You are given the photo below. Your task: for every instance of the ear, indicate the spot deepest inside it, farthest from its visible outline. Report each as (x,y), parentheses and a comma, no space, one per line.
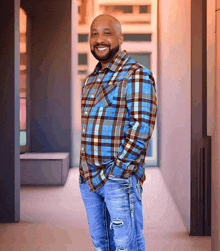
(121,38)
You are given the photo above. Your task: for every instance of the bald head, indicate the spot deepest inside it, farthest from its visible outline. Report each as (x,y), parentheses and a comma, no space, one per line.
(105,38)
(109,20)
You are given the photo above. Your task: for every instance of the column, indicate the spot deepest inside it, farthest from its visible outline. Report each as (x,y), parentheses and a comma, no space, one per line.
(9,112)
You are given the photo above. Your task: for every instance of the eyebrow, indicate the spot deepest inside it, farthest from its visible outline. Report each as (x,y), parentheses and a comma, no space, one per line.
(103,29)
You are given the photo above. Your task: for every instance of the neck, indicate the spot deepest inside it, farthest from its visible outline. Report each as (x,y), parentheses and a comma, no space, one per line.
(104,64)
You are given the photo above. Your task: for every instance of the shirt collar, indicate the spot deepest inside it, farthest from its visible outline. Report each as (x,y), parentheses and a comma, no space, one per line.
(115,64)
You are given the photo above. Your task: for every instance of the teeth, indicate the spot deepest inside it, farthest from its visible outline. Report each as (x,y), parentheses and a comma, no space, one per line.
(102,49)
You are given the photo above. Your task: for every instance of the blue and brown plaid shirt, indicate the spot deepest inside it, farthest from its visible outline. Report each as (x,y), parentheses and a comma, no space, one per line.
(119,107)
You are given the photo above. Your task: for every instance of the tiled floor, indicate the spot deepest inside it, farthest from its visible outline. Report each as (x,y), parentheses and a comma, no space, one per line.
(54,218)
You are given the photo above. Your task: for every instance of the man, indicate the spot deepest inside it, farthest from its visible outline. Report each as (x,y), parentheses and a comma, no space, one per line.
(119,107)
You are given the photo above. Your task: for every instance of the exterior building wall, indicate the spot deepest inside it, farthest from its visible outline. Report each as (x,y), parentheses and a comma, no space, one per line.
(215,141)
(50,78)
(174,74)
(75,90)
(9,112)
(210,66)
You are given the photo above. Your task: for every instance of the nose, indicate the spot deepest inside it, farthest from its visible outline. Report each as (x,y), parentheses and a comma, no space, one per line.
(100,39)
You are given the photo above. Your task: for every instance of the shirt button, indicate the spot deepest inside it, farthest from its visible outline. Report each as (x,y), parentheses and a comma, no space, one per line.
(82,149)
(84,130)
(86,113)
(92,96)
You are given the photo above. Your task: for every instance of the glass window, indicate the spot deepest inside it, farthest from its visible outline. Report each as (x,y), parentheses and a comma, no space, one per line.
(149,149)
(142,58)
(119,9)
(144,9)
(124,8)
(82,73)
(137,37)
(82,38)
(82,59)
(151,158)
(23,138)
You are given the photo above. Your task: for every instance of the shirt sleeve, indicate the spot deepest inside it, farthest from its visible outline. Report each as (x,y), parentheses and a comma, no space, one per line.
(141,102)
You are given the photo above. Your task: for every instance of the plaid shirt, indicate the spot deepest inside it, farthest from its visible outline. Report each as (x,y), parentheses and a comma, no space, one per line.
(119,107)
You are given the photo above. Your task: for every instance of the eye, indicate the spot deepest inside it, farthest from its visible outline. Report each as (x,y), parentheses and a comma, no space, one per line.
(94,34)
(107,33)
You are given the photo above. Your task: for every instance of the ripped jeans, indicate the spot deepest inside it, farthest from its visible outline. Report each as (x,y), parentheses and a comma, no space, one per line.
(115,214)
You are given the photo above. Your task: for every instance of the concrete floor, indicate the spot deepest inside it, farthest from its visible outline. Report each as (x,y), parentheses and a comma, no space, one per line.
(54,218)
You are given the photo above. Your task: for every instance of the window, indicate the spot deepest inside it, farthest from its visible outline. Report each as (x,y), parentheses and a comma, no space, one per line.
(128,14)
(142,58)
(151,158)
(82,59)
(82,73)
(137,37)
(82,67)
(144,9)
(117,9)
(82,38)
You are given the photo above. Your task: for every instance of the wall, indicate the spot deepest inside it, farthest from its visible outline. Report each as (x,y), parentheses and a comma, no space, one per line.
(215,142)
(50,75)
(174,91)
(210,66)
(75,92)
(9,111)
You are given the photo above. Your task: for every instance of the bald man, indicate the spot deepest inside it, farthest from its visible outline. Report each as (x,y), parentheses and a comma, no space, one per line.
(119,107)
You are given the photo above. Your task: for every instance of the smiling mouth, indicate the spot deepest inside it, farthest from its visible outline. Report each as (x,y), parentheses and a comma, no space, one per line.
(101,48)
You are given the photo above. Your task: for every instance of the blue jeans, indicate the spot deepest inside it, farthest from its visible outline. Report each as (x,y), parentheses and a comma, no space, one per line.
(115,214)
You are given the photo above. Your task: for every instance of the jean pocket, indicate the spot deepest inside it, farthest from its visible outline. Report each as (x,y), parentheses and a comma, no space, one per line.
(139,191)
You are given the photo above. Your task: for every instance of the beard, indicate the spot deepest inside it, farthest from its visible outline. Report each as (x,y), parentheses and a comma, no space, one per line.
(109,56)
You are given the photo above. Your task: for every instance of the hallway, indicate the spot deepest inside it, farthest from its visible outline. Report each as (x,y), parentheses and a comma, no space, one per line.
(54,218)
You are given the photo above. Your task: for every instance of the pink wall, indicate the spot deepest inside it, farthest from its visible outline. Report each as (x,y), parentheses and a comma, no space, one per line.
(174,88)
(23,102)
(75,91)
(215,142)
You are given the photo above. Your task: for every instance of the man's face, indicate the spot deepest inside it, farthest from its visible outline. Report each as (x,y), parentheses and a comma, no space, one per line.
(104,40)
